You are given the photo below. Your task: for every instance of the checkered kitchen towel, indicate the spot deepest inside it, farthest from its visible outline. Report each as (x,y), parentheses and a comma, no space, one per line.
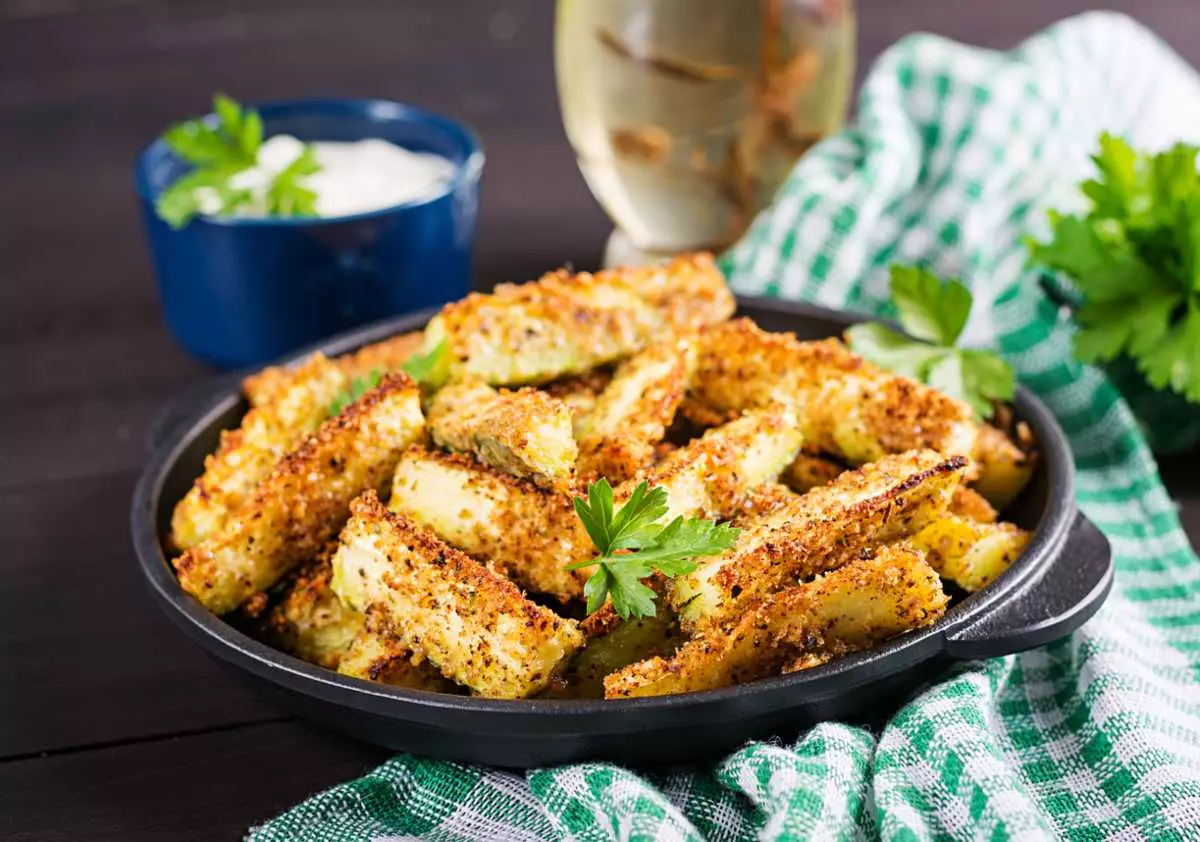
(956,152)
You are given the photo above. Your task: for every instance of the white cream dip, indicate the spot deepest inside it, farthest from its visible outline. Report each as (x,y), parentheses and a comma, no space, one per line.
(356,177)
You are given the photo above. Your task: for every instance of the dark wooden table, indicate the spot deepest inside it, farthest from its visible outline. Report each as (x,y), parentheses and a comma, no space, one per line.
(112,725)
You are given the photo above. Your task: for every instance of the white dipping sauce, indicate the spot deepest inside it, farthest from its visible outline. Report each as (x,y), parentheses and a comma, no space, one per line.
(357,177)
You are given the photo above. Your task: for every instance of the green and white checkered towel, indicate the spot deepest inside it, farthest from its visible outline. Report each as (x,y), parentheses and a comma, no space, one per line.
(956,152)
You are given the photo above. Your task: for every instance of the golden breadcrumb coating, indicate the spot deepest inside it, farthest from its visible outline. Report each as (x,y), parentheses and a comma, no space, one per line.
(972,505)
(580,394)
(528,532)
(264,386)
(1004,467)
(463,616)
(526,433)
(890,591)
(968,553)
(310,621)
(376,654)
(305,499)
(811,470)
(711,476)
(847,407)
(566,324)
(632,415)
(246,455)
(385,356)
(880,502)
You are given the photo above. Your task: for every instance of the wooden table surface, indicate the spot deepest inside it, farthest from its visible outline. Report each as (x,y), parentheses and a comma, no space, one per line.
(112,725)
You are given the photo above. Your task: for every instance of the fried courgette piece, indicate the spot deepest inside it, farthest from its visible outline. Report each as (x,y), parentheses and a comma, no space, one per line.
(296,408)
(531,533)
(811,470)
(305,499)
(310,621)
(526,433)
(846,406)
(858,605)
(383,357)
(1004,467)
(968,553)
(380,656)
(633,414)
(466,618)
(566,324)
(880,502)
(580,394)
(972,505)
(711,476)
(528,532)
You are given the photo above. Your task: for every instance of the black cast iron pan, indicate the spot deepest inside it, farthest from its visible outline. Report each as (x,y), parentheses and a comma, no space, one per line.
(1058,583)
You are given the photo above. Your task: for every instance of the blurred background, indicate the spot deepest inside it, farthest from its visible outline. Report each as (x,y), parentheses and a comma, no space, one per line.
(86,84)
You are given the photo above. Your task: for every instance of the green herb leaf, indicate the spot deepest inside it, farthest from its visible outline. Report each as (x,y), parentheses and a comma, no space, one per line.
(217,154)
(1134,258)
(358,387)
(938,312)
(632,543)
(929,309)
(429,367)
(893,351)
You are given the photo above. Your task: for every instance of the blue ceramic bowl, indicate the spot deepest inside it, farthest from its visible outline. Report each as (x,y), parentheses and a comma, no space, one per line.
(240,292)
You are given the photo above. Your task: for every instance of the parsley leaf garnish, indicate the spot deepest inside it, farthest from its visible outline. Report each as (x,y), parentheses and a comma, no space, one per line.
(358,387)
(1134,257)
(419,367)
(217,155)
(632,544)
(428,367)
(935,313)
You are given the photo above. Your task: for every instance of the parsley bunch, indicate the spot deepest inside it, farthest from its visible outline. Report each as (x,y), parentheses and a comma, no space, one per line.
(934,315)
(217,155)
(632,544)
(1135,258)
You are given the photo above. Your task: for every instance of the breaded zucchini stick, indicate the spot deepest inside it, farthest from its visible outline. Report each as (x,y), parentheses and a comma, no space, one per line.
(264,386)
(880,502)
(246,455)
(567,324)
(305,499)
(623,643)
(972,505)
(310,621)
(970,554)
(580,394)
(1004,468)
(810,471)
(470,621)
(858,605)
(632,415)
(530,533)
(847,407)
(380,656)
(711,476)
(526,433)
(385,356)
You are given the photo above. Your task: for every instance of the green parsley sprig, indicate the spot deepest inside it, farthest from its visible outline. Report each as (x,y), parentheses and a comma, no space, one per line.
(632,544)
(420,367)
(217,154)
(1134,257)
(934,315)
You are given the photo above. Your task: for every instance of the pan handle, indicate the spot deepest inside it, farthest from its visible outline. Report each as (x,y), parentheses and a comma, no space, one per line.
(1053,606)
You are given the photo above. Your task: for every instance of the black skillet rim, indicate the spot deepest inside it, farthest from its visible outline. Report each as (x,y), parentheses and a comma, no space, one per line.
(226,642)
